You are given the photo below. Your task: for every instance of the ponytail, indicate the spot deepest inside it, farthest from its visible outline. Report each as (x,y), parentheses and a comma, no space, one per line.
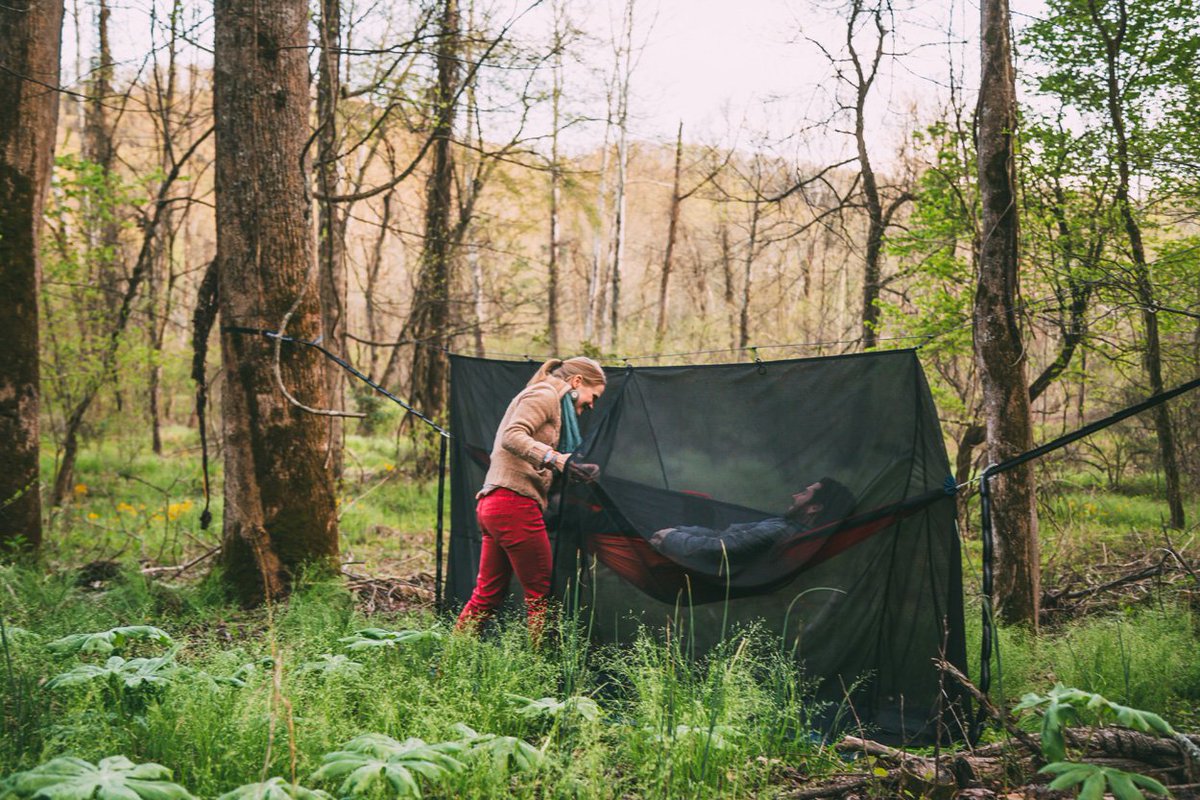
(592,372)
(544,370)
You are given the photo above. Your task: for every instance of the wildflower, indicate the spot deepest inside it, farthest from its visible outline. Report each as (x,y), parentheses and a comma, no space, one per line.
(93,515)
(126,508)
(389,467)
(81,489)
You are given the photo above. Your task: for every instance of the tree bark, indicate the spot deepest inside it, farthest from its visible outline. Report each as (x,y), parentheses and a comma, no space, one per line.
(429,320)
(30,44)
(660,325)
(999,351)
(555,188)
(279,499)
(331,245)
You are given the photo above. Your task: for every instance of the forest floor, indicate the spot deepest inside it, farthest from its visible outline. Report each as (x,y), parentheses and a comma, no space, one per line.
(226,697)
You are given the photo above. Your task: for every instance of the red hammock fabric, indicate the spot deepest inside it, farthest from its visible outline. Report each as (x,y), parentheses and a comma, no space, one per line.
(635,560)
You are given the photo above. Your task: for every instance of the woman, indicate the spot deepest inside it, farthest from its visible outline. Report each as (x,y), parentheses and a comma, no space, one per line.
(533,442)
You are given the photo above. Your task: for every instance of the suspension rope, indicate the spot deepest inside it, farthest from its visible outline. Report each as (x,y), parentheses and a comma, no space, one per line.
(341,363)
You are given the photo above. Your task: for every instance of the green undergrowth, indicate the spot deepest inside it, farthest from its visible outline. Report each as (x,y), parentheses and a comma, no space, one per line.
(1144,656)
(237,697)
(127,504)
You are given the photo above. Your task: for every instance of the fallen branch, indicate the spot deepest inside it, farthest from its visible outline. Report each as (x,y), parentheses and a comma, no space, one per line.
(1031,744)
(179,569)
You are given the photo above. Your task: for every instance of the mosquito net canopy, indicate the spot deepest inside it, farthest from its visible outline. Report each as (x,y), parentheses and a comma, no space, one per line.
(805,495)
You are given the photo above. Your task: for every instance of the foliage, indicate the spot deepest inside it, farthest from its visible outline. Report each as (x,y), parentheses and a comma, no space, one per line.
(120,675)
(1064,705)
(1093,779)
(373,638)
(114,778)
(371,761)
(275,789)
(506,753)
(110,641)
(549,708)
(328,664)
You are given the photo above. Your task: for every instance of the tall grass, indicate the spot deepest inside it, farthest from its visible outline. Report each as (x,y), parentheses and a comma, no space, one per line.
(668,725)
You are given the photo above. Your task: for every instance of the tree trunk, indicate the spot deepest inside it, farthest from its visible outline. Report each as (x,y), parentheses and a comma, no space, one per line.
(999,351)
(99,148)
(660,326)
(748,274)
(30,42)
(593,323)
(874,205)
(104,234)
(429,320)
(279,499)
(1144,286)
(331,245)
(625,72)
(555,190)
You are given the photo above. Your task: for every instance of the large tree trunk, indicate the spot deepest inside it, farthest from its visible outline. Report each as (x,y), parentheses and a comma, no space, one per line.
(999,350)
(331,245)
(279,499)
(429,320)
(30,42)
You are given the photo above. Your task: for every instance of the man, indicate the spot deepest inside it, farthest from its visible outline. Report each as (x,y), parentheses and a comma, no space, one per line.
(816,505)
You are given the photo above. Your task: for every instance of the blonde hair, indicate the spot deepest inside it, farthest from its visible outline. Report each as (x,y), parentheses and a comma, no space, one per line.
(590,369)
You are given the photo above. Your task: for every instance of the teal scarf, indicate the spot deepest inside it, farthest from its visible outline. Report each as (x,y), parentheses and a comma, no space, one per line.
(570,438)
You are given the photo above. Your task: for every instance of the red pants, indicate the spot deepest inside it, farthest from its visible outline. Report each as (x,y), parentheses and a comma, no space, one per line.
(514,540)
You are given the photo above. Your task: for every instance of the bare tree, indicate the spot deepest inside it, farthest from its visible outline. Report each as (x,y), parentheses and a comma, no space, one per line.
(279,498)
(624,75)
(30,43)
(858,71)
(999,349)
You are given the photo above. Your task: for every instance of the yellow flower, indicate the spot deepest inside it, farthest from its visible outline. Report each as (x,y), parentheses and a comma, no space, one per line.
(126,507)
(81,488)
(93,515)
(389,467)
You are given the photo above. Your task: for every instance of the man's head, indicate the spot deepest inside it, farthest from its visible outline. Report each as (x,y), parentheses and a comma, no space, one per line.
(821,502)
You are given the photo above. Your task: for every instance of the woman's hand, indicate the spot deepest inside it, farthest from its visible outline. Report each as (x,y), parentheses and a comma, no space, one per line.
(582,473)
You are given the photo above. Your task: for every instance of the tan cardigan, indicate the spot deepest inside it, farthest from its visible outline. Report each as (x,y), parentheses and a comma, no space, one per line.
(523,455)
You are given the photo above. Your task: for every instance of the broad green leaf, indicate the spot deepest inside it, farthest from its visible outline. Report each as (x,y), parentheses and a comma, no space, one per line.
(1093,787)
(373,638)
(113,640)
(1146,782)
(114,778)
(274,789)
(507,753)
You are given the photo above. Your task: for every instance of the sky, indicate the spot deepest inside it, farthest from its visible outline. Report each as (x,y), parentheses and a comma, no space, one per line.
(729,70)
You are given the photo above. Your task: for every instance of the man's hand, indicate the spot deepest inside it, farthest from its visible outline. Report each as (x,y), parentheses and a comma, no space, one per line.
(582,473)
(659,536)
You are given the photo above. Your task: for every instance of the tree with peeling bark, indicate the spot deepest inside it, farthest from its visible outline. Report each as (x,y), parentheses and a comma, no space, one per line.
(30,44)
(999,346)
(279,501)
